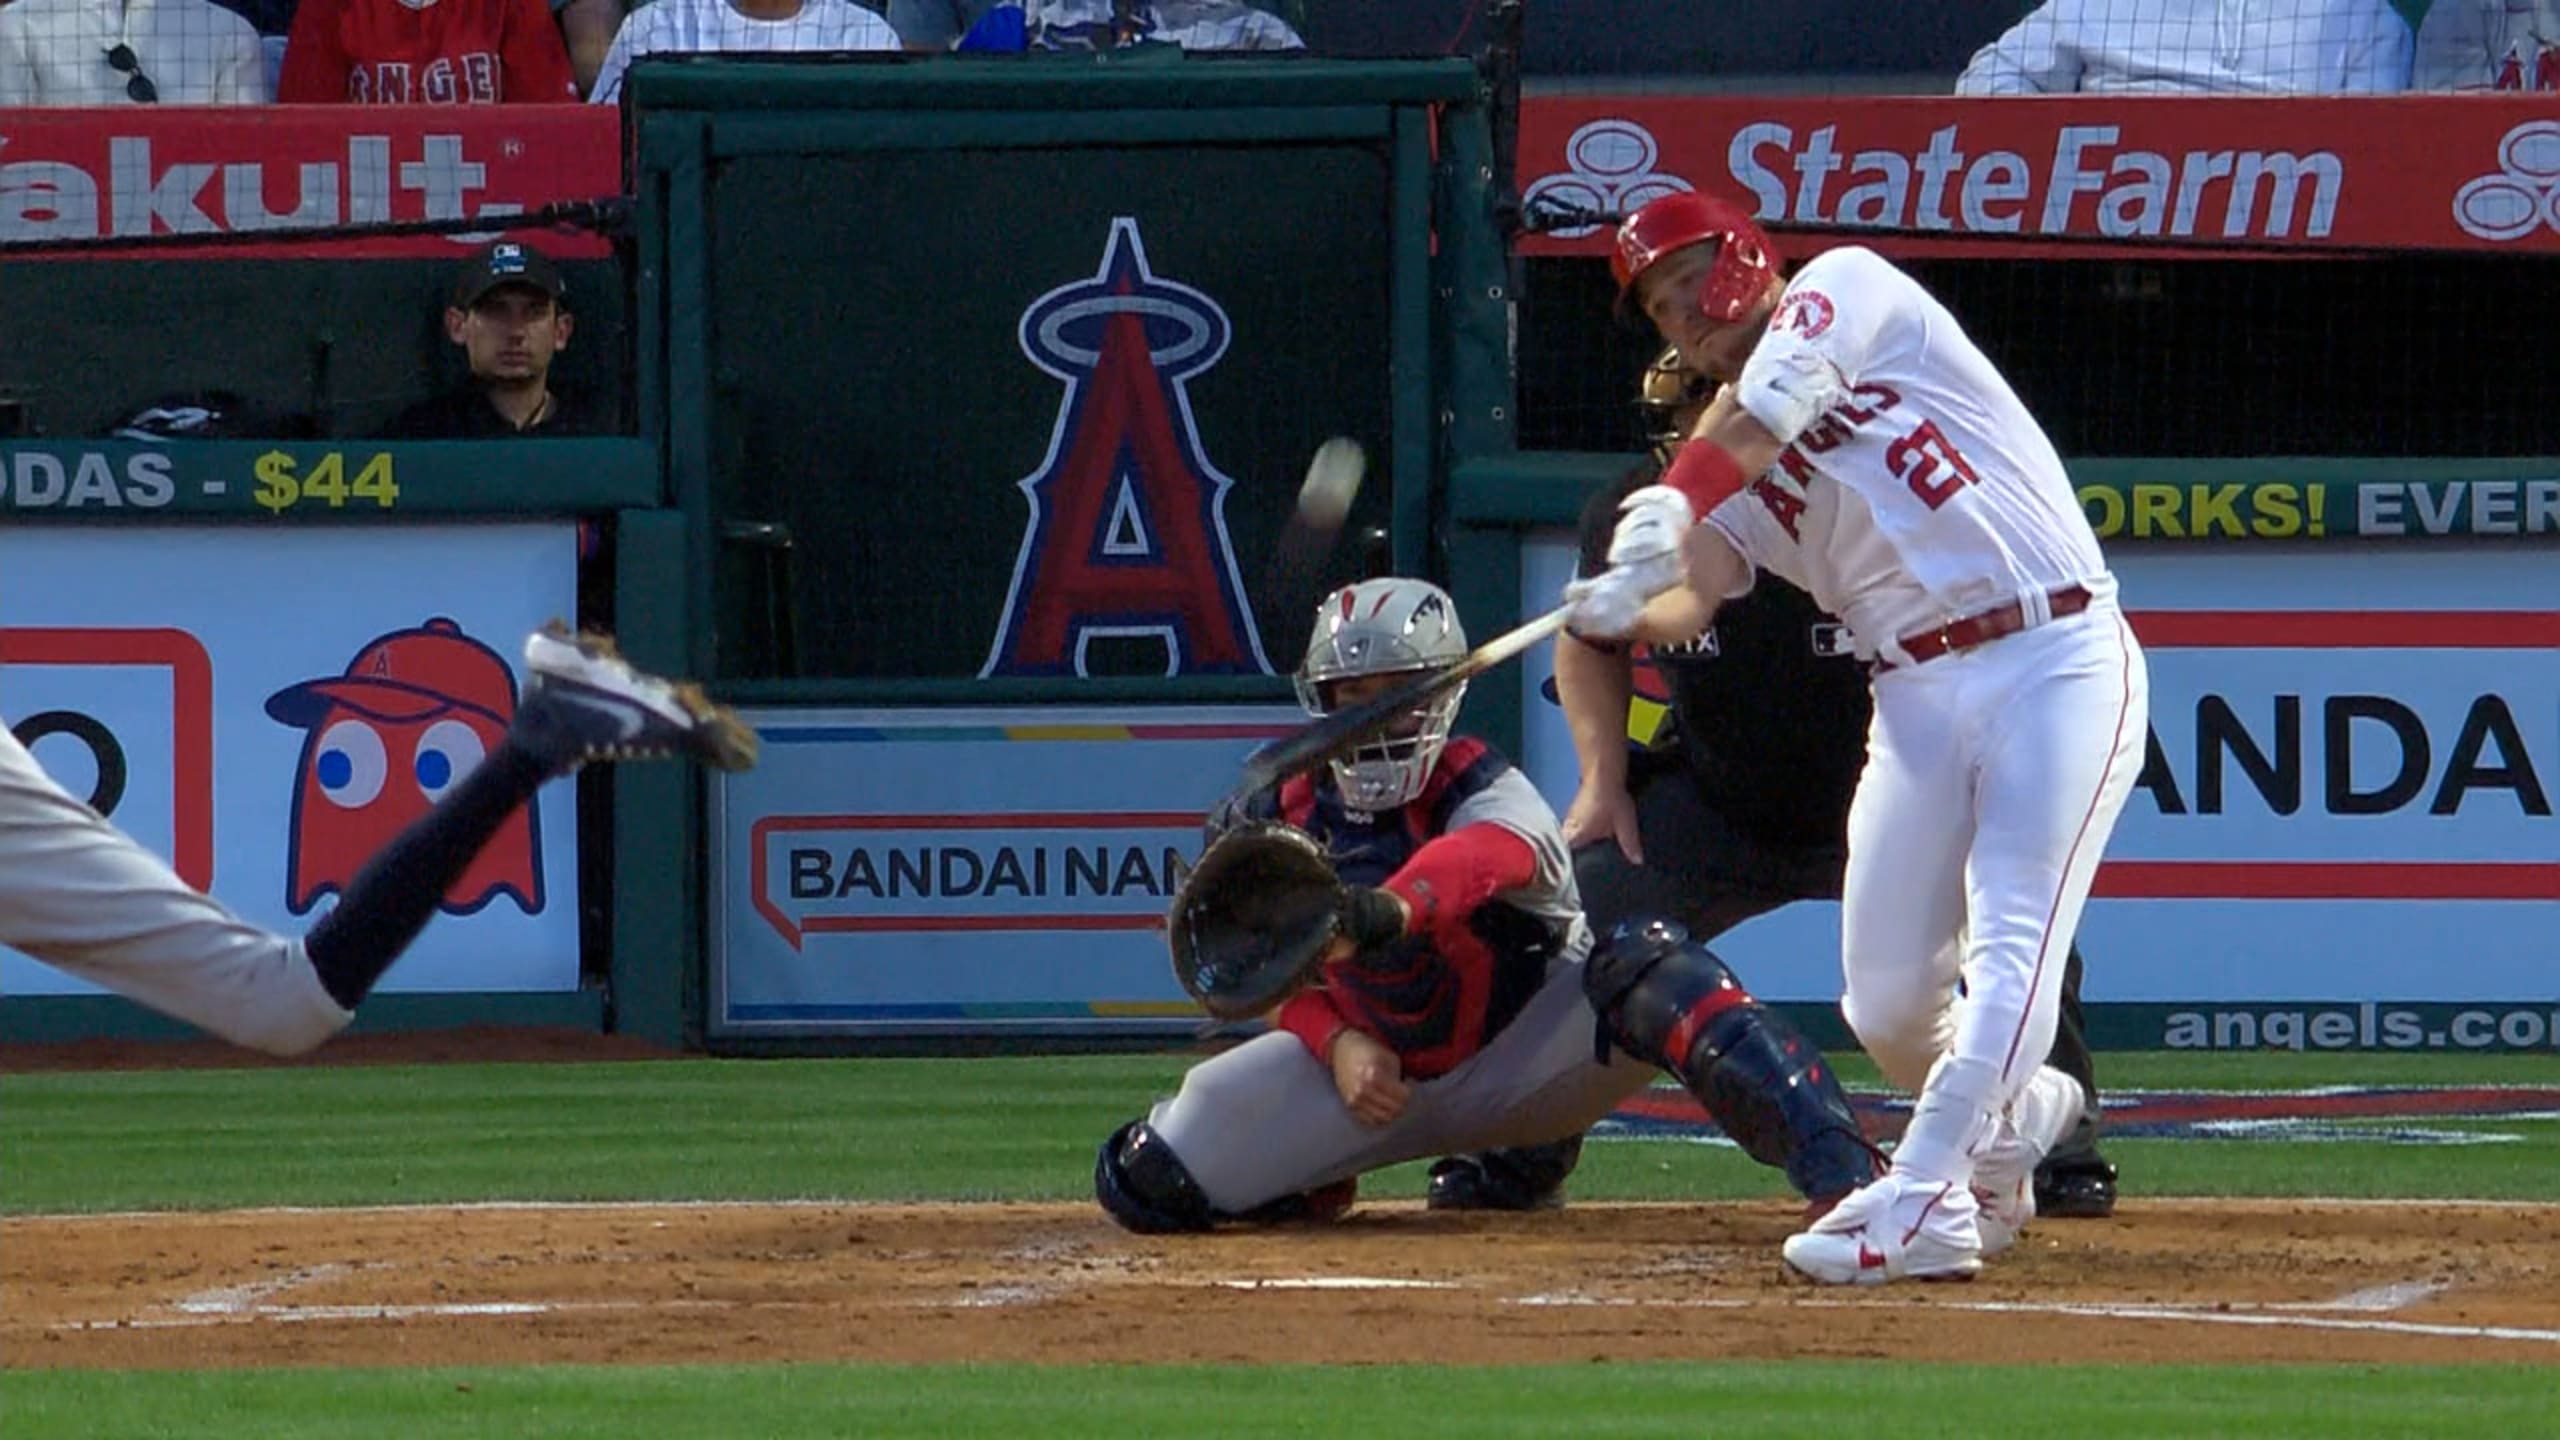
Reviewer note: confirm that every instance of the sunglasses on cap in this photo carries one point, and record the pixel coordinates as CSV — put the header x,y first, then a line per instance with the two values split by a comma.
x,y
137,87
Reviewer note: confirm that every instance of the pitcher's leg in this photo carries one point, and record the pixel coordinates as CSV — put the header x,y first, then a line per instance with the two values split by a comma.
x,y
82,896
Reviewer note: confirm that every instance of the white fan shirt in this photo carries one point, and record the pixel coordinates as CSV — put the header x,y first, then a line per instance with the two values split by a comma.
x,y
54,52
713,27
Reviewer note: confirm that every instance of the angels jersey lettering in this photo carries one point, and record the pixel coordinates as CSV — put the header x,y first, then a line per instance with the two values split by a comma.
x,y
1943,497
424,52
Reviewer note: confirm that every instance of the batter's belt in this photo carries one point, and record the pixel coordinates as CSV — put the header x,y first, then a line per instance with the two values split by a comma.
x,y
1983,627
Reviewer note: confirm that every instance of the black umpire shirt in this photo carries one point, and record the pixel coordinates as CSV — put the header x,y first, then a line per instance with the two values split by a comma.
x,y
1768,707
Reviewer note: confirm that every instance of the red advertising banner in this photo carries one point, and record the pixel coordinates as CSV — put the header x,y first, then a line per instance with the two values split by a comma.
x,y
145,170
2168,176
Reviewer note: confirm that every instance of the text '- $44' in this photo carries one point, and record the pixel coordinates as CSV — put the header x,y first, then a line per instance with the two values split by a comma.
x,y
283,482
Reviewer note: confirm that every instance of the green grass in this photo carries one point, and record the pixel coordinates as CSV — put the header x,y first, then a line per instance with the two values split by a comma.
x,y
1010,1128
1655,1401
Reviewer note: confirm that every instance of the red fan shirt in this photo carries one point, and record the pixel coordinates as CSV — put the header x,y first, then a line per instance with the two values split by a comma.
x,y
424,52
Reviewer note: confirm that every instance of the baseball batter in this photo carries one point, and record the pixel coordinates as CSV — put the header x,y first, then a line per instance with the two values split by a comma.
x,y
80,895
1468,1018
1914,497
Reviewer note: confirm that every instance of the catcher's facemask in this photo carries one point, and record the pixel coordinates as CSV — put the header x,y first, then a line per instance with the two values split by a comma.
x,y
1385,628
1671,396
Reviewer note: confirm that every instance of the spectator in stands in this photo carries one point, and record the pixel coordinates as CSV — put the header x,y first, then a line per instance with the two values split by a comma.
x,y
2485,44
1097,24
424,52
588,26
272,19
510,316
1191,24
668,27
2249,47
128,52
935,24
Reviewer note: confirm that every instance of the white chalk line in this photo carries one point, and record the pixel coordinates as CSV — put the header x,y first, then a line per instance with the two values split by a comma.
x,y
2074,1310
2399,1295
1337,1282
2233,1317
238,1299
304,1314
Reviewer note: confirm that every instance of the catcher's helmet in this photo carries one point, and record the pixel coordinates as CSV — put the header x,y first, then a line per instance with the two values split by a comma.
x,y
1385,627
1670,397
1744,262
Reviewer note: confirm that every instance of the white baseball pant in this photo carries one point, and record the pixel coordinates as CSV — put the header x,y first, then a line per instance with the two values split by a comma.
x,y
82,896
1994,777
1264,1120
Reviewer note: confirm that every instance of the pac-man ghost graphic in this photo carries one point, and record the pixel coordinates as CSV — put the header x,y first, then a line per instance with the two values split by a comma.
x,y
415,711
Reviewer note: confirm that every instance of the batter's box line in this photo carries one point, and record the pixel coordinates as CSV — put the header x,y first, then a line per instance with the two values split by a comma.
x,y
2075,1310
307,1314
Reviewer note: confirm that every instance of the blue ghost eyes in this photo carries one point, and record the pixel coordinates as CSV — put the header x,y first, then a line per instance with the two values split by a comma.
x,y
447,751
350,765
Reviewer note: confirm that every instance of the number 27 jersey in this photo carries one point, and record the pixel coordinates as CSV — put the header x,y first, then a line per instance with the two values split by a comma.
x,y
1954,499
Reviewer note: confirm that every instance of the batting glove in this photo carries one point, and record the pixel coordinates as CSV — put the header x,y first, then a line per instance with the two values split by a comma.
x,y
1644,561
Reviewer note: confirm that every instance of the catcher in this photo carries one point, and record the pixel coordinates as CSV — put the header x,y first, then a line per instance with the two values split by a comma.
x,y
1409,921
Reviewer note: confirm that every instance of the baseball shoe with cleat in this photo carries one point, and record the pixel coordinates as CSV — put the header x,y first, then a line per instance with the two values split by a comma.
x,y
1892,1229
1523,1178
584,704
2076,1189
2004,1175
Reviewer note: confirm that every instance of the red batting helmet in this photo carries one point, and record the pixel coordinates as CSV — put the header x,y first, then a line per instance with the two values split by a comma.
x,y
1744,261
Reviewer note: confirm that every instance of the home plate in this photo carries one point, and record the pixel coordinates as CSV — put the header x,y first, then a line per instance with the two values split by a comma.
x,y
1337,1282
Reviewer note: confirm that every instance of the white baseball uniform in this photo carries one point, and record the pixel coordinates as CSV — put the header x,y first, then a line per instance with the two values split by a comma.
x,y
1916,492
82,896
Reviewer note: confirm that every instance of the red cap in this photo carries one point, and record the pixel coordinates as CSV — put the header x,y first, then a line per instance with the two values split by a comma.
x,y
408,675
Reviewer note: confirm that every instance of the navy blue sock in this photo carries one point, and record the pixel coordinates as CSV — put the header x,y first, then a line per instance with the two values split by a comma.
x,y
396,893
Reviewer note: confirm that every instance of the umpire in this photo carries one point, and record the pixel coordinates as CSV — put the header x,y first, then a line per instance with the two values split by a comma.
x,y
1737,805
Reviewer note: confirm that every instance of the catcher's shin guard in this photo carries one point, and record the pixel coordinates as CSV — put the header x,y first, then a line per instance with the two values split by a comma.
x,y
1667,999
1144,1185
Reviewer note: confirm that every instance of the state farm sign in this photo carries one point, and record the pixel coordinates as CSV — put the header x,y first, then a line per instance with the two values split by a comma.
x,y
2382,172
2089,182
131,172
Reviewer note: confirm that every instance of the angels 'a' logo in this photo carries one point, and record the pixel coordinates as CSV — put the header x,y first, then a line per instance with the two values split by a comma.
x,y
1807,312
1128,534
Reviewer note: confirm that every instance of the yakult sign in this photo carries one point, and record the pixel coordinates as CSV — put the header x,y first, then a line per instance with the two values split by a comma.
x,y
1994,175
80,174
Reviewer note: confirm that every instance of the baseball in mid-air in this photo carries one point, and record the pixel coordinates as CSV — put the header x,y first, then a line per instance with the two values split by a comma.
x,y
1333,482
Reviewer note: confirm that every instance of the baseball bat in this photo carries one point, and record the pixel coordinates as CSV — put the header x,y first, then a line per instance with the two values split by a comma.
x,y
1327,736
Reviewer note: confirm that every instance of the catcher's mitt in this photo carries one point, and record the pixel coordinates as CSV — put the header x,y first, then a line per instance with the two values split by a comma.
x,y
1252,919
